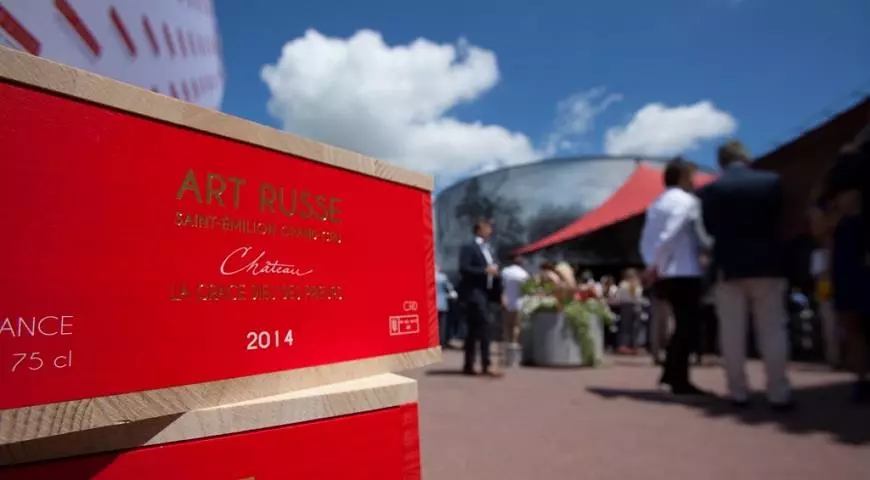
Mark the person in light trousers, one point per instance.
(742, 210)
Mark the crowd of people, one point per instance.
(719, 248)
(641, 326)
(726, 240)
(632, 334)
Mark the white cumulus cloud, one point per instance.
(657, 129)
(575, 118)
(392, 102)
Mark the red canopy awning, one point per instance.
(632, 198)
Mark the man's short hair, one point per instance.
(676, 170)
(479, 223)
(732, 151)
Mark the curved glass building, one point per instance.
(531, 202)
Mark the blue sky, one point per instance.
(773, 66)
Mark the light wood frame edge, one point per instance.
(40, 421)
(318, 403)
(26, 69)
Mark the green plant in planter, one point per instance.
(580, 315)
(580, 310)
(535, 286)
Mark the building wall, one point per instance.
(804, 162)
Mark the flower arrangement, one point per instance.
(581, 305)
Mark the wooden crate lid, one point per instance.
(328, 401)
(23, 68)
(30, 423)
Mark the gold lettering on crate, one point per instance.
(297, 205)
(297, 202)
(215, 187)
(255, 292)
(213, 201)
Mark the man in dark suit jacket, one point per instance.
(478, 286)
(742, 211)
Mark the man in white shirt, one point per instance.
(672, 241)
(512, 278)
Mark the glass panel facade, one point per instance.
(526, 203)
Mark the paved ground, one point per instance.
(611, 423)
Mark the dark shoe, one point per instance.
(664, 380)
(688, 389)
(740, 404)
(782, 407)
(469, 371)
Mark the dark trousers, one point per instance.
(456, 321)
(444, 327)
(684, 295)
(709, 328)
(479, 319)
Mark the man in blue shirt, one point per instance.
(444, 292)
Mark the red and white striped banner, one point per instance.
(168, 46)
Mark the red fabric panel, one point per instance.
(632, 198)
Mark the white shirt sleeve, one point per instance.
(647, 243)
(665, 241)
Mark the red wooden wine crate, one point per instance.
(140, 254)
(379, 445)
